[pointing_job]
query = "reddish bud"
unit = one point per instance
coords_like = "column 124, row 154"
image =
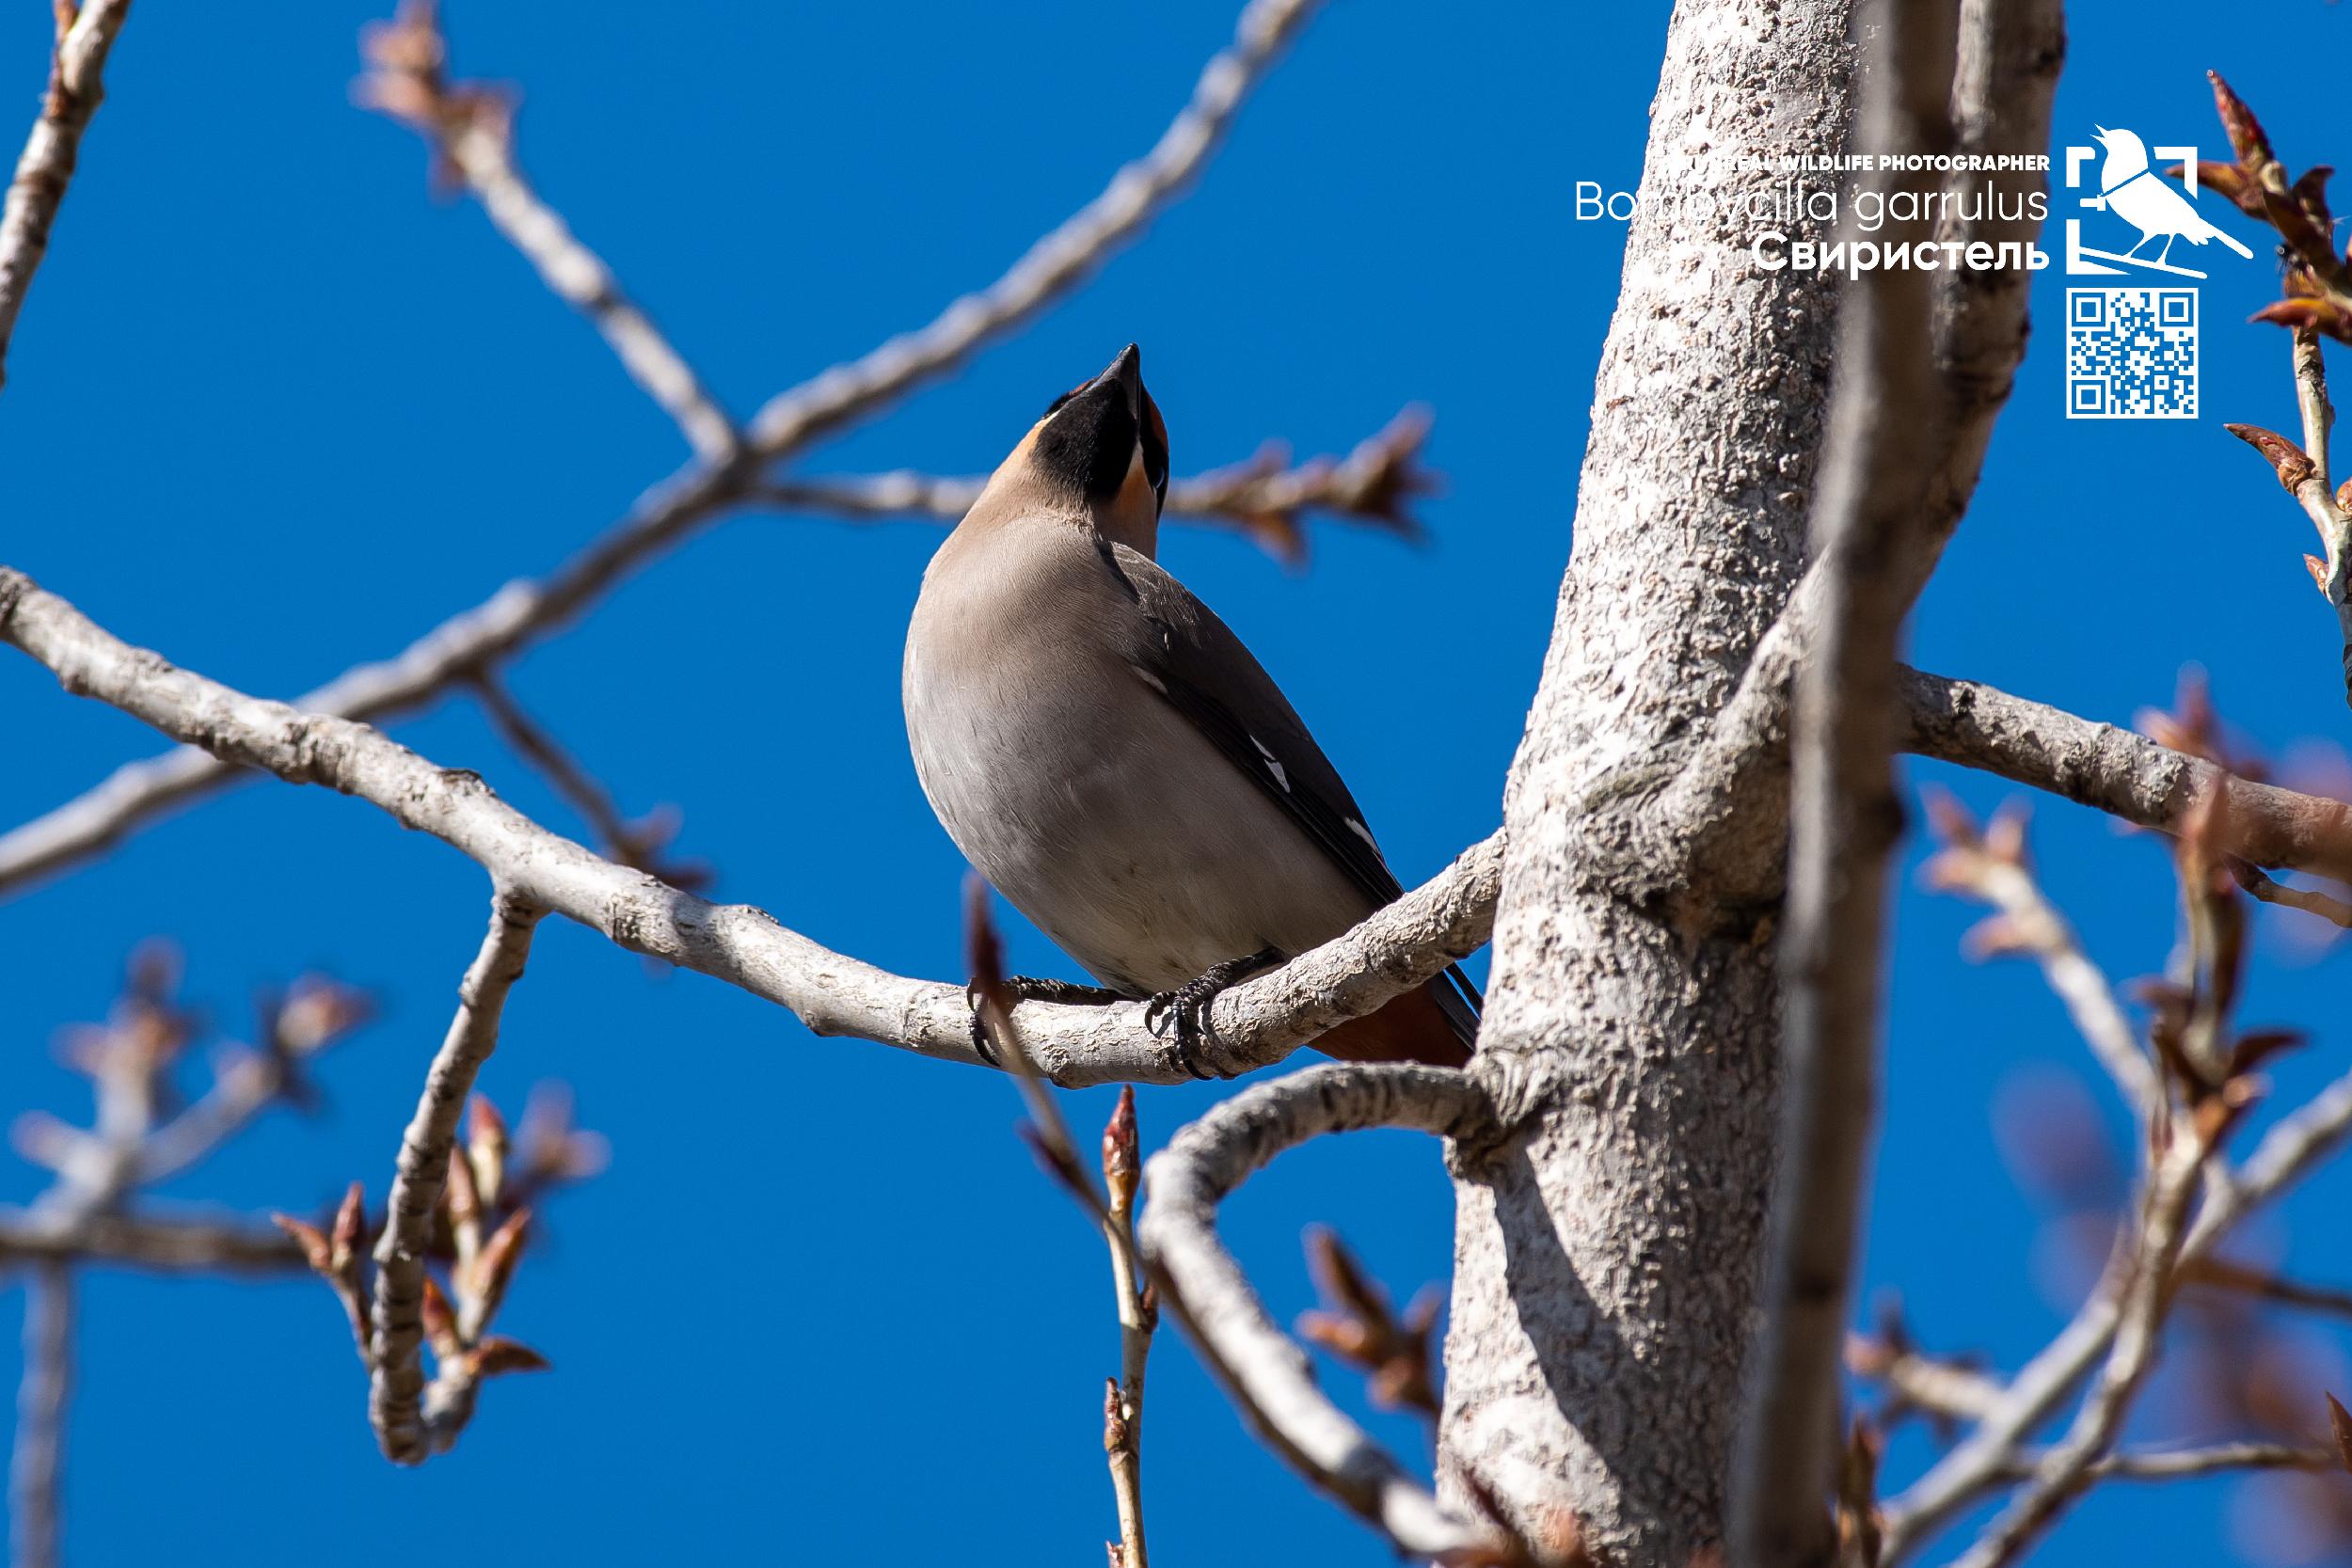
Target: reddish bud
column 316, row 1250
column 2287, row 459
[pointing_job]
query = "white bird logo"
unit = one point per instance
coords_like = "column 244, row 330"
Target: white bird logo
column 2137, row 195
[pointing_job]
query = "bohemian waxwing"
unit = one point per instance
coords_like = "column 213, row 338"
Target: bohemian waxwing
column 1112, row 759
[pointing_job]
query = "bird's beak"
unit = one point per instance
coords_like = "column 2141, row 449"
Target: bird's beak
column 2099, row 135
column 1126, row 373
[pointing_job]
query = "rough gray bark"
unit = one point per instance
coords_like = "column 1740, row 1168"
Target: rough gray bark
column 1605, row 1265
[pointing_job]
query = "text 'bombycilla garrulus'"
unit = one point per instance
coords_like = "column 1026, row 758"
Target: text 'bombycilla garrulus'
column 1112, row 759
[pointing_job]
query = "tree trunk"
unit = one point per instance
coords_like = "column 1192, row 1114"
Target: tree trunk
column 1606, row 1263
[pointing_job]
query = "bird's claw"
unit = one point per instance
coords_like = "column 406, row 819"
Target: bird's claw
column 1030, row 988
column 1184, row 1012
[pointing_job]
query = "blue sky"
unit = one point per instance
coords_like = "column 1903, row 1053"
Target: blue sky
column 272, row 410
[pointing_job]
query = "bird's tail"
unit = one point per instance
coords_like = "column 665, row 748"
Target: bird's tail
column 2231, row 241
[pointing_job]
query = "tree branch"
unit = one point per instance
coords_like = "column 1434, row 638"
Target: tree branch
column 1398, row 948
column 2293, row 1146
column 1268, row 1376
column 2121, row 773
column 2004, row 84
column 1843, row 823
column 471, row 127
column 190, row 1245
column 1263, row 498
column 411, row 1421
column 1992, row 866
column 2066, row 1470
column 524, row 611
column 45, row 167
column 36, row 1464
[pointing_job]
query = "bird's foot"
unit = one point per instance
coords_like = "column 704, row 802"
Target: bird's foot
column 1185, row 1011
column 1032, row 987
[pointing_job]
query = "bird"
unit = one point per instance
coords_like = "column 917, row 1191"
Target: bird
column 1112, row 760
column 2135, row 193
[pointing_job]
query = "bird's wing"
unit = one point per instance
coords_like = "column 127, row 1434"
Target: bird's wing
column 1206, row 673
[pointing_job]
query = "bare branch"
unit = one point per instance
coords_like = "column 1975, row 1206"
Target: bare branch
column 471, row 127
column 524, row 611
column 1263, row 498
column 2177, row 1464
column 190, row 1245
column 1843, row 823
column 2290, row 1150
column 2004, row 84
column 37, row 1466
column 1944, row 1389
column 1264, row 1371
column 2066, row 1470
column 1112, row 1207
column 1396, row 949
column 2125, row 775
column 1055, row 264
column 2263, row 1284
column 638, row 845
column 1992, row 866
column 45, row 167
column 412, row 1422
column 2269, row 890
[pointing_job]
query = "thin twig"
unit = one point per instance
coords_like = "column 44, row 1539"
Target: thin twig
column 1111, row 1207
column 634, row 843
column 2269, row 888
column 524, row 611
column 408, row 1425
column 156, row 1242
column 2295, row 1145
column 45, row 167
column 472, row 129
column 1264, row 1371
column 1263, row 498
column 37, row 1466
column 2175, row 1464
column 2262, row 1284
column 1944, row 1389
column 2068, row 1469
column 1843, row 821
column 1992, row 866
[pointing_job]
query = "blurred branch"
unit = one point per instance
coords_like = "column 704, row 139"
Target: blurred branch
column 1992, row 866
column 37, row 1465
column 638, row 844
column 2221, row 1274
column 2066, row 1470
column 1887, row 407
column 1396, row 949
column 1267, row 1374
column 1357, row 1325
column 190, row 1245
column 45, row 167
column 470, row 128
column 1945, row 1390
column 1263, row 498
column 411, row 1421
column 2293, row 1146
column 524, row 611
column 2175, row 1464
column 2309, row 900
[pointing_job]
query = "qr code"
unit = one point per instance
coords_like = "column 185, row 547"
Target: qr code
column 2131, row 354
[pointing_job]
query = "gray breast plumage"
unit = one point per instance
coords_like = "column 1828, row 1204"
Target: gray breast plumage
column 1083, row 797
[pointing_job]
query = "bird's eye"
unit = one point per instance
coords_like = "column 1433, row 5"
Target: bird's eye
column 1054, row 408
